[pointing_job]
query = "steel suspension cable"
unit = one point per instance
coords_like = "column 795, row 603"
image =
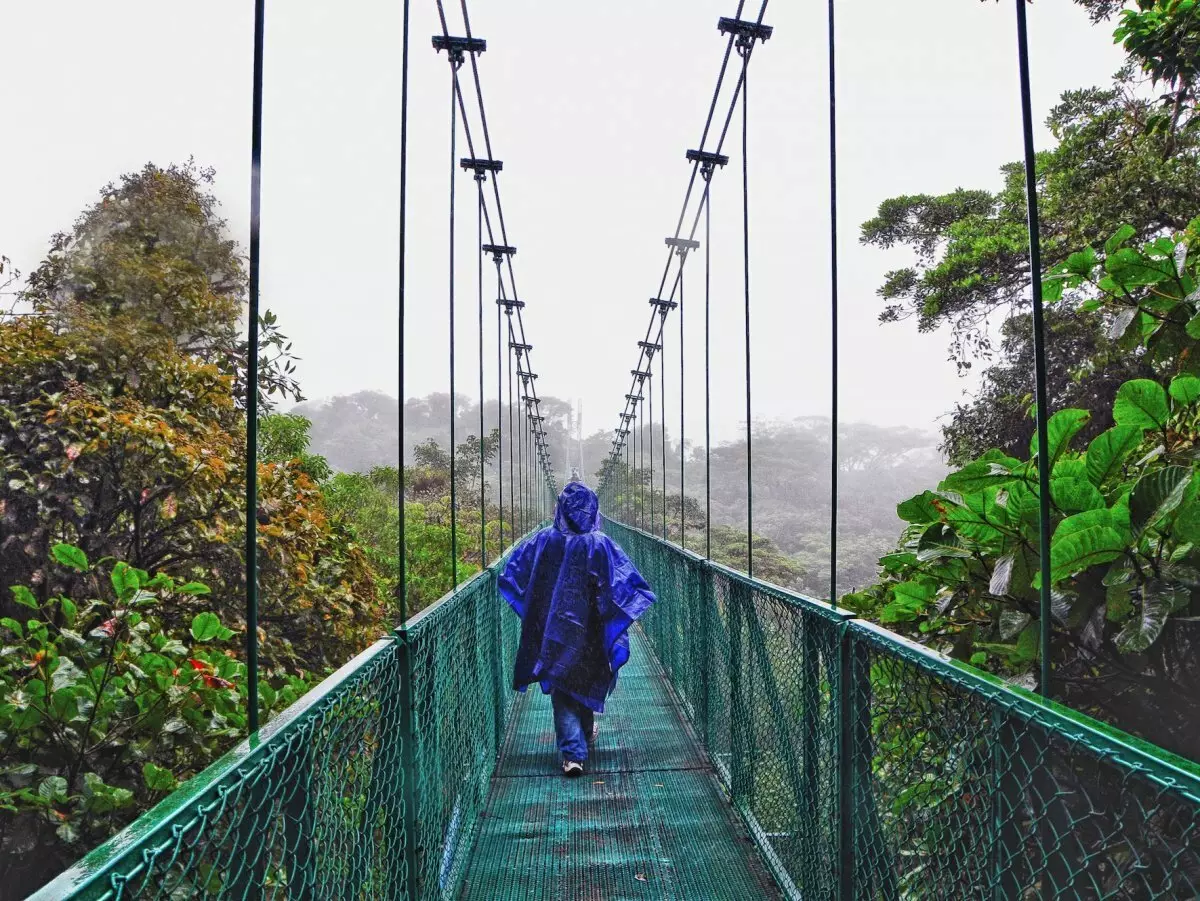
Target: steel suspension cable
column 744, row 36
column 453, row 405
column 662, row 396
column 833, row 328
column 650, row 368
column 512, row 469
column 402, row 587
column 461, row 104
column 1039, row 353
column 483, row 561
column 707, row 369
column 256, row 115
column 746, row 278
column 682, row 423
column 500, row 406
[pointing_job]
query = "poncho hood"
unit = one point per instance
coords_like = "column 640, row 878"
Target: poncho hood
column 578, row 510
column 577, row 594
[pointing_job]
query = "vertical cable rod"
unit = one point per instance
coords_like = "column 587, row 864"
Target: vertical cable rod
column 1039, row 352
column 833, row 270
column 252, row 373
column 746, row 278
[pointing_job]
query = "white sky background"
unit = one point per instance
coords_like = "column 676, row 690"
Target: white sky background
column 591, row 107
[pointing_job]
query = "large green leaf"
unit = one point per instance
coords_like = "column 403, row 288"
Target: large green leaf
column 1075, row 495
column 977, row 476
column 1141, row 403
column 909, row 600
column 158, row 779
column 71, row 557
column 1060, row 429
column 1185, row 389
column 1085, row 539
column 981, row 518
column 1119, row 237
column 919, row 509
column 1158, row 600
column 1108, row 451
column 938, row 541
column 23, row 596
column 1157, row 494
column 206, row 627
column 125, row 580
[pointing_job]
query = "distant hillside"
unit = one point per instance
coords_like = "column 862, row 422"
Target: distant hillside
column 879, row 467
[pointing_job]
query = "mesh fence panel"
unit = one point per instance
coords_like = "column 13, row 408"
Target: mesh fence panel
column 316, row 810
column 965, row 789
column 867, row 767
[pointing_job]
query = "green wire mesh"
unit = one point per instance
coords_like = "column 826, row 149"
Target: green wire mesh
column 863, row 767
column 320, row 807
column 312, row 811
column 867, row 767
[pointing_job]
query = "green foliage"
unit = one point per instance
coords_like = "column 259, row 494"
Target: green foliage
column 104, row 709
column 120, row 431
column 1124, row 514
column 284, row 438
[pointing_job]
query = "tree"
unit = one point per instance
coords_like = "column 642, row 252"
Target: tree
column 152, row 262
column 1125, row 520
column 120, row 430
column 105, row 710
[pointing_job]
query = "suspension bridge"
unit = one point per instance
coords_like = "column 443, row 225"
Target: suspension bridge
column 763, row 744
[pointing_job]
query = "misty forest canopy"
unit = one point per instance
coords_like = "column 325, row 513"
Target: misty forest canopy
column 1119, row 195
column 123, row 439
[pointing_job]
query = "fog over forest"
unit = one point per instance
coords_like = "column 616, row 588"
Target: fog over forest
column 879, row 466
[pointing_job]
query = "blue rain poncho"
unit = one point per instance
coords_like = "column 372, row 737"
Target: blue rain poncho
column 577, row 594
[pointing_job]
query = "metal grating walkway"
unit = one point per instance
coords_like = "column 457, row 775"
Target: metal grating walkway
column 648, row 820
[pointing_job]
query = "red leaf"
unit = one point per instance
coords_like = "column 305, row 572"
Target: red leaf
column 216, row 682
column 197, row 664
column 109, row 627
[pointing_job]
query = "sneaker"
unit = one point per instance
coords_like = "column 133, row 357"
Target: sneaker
column 572, row 768
column 591, row 740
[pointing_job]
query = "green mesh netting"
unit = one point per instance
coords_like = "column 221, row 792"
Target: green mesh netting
column 862, row 767
column 867, row 767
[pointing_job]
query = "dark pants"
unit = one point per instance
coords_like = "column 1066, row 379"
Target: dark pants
column 573, row 724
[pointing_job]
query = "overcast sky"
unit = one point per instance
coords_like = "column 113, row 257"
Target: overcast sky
column 591, row 107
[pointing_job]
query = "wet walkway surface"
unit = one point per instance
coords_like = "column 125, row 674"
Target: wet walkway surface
column 647, row 820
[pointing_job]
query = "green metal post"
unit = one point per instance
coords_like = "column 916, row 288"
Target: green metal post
column 299, row 827
column 408, row 740
column 844, row 694
column 811, row 826
column 739, row 729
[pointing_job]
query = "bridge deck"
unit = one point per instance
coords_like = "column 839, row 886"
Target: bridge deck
column 648, row 820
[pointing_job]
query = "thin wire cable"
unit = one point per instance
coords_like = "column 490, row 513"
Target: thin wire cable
column 468, row 135
column 402, row 586
column 649, row 368
column 512, row 470
column 1039, row 353
column 483, row 560
column 499, row 407
column 662, row 396
column 453, row 404
column 707, row 126
column 746, row 274
column 256, row 116
column 833, row 271
column 707, row 370
column 682, row 423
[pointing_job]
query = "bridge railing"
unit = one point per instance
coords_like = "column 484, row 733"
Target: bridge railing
column 321, row 806
column 866, row 766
